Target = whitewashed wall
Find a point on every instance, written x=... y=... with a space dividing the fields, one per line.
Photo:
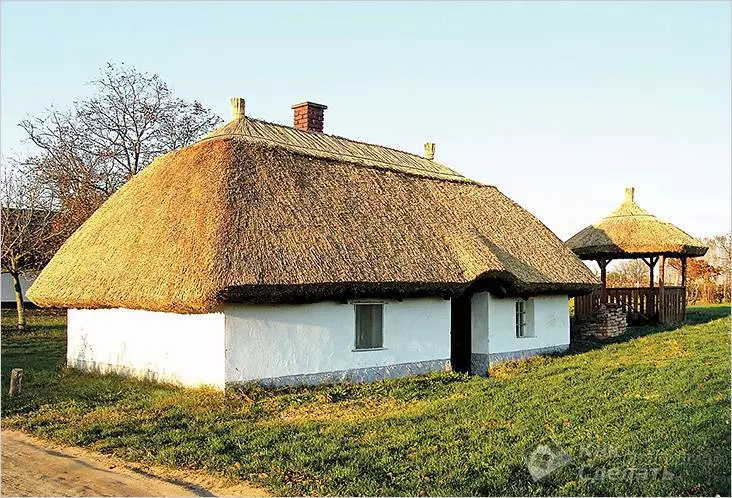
x=170 y=347
x=7 y=288
x=550 y=324
x=287 y=340
x=494 y=325
x=247 y=342
x=479 y=308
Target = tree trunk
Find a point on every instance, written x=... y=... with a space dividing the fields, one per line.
x=19 y=300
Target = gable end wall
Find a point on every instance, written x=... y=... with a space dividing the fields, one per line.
x=167 y=347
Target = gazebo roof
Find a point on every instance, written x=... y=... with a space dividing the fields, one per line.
x=630 y=231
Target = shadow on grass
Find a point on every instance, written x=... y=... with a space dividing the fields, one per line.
x=695 y=315
x=41 y=323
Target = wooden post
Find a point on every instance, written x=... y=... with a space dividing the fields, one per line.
x=651 y=262
x=16 y=381
x=603 y=272
x=602 y=263
x=661 y=292
x=683 y=271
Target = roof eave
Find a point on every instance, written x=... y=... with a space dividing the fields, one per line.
x=346 y=291
x=614 y=252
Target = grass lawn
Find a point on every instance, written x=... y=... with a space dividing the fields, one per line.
x=648 y=414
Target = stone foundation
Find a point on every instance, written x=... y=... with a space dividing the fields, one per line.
x=608 y=320
x=368 y=374
x=481 y=362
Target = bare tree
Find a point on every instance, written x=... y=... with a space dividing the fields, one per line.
x=629 y=273
x=87 y=153
x=28 y=235
x=720 y=250
x=719 y=256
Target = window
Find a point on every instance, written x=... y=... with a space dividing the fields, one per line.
x=521 y=330
x=369 y=326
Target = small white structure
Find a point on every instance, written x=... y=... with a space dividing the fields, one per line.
x=282 y=255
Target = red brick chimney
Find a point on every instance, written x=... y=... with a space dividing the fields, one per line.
x=309 y=116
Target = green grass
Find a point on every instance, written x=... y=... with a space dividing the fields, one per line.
x=41 y=323
x=656 y=399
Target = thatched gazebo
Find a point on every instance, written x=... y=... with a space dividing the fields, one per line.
x=631 y=232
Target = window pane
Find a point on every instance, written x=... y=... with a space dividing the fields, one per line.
x=520 y=318
x=369 y=326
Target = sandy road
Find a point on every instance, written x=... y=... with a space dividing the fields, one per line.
x=31 y=467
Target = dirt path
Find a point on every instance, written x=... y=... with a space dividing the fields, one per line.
x=31 y=467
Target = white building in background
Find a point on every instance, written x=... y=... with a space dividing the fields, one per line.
x=283 y=255
x=7 y=291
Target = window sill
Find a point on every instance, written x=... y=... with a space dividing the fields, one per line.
x=362 y=350
x=525 y=337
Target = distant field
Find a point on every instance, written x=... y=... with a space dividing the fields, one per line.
x=646 y=414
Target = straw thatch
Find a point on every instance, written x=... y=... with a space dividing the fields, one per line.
x=236 y=218
x=629 y=232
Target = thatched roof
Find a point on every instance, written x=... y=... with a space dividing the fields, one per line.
x=630 y=231
x=297 y=217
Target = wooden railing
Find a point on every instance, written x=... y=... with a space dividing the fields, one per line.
x=673 y=305
x=642 y=304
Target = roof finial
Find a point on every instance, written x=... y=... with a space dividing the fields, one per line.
x=429 y=151
x=237 y=107
x=630 y=194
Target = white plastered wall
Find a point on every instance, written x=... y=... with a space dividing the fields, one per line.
x=494 y=324
x=170 y=347
x=264 y=342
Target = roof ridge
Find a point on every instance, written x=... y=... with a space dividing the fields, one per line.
x=391 y=169
x=319 y=144
x=338 y=137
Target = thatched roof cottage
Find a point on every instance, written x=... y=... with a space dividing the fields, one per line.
x=283 y=254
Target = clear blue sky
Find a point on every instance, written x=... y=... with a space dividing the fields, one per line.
x=560 y=105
